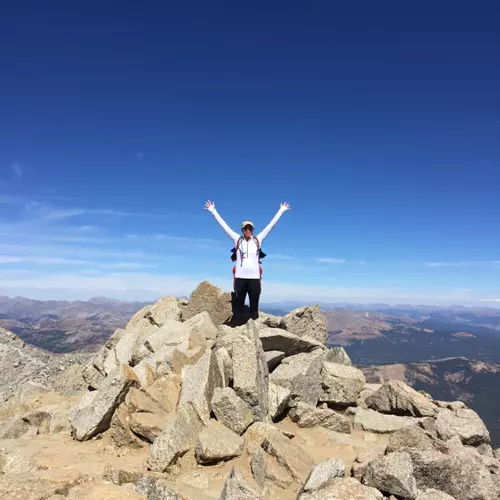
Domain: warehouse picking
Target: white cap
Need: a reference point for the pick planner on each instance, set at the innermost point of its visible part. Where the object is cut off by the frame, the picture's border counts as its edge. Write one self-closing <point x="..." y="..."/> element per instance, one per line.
<point x="247" y="223"/>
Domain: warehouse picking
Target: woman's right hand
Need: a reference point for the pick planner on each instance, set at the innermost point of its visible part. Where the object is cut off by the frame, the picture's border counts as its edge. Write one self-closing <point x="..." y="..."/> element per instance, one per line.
<point x="210" y="206"/>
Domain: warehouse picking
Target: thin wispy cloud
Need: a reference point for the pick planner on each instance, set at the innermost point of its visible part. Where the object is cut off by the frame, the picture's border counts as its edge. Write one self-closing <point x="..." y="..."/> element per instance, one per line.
<point x="330" y="260"/>
<point x="16" y="168"/>
<point x="463" y="263"/>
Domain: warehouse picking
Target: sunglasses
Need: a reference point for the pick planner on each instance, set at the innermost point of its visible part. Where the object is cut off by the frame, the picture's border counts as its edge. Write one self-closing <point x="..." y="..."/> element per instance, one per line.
<point x="248" y="228"/>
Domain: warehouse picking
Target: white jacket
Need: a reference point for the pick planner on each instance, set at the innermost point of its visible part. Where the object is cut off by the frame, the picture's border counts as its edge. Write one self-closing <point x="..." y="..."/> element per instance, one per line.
<point x="247" y="257"/>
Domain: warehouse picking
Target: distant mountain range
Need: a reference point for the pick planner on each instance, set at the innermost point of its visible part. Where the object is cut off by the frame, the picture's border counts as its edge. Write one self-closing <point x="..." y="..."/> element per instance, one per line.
<point x="64" y="326"/>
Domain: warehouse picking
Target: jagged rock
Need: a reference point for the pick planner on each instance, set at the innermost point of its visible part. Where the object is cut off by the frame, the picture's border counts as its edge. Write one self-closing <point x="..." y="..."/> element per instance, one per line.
<point x="139" y="401"/>
<point x="250" y="373"/>
<point x="138" y="316"/>
<point x="237" y="488"/>
<point x="167" y="308"/>
<point x="174" y="333"/>
<point x="496" y="453"/>
<point x="155" y="488"/>
<point x="307" y="321"/>
<point x="130" y="343"/>
<point x="217" y="443"/>
<point x="93" y="377"/>
<point x="292" y="457"/>
<point x="341" y="384"/>
<point x="273" y="359"/>
<point x="165" y="391"/>
<point x="343" y="489"/>
<point x="323" y="473"/>
<point x="209" y="298"/>
<point x="301" y="375"/>
<point x="270" y="320"/>
<point x="202" y="325"/>
<point x="231" y="410"/>
<point x="363" y="458"/>
<point x="144" y="373"/>
<point x="198" y="383"/>
<point x="460" y="475"/>
<point x="392" y="474"/>
<point x="275" y="339"/>
<point x="119" y="476"/>
<point x="101" y="491"/>
<point x="305" y="415"/>
<point x="38" y="485"/>
<point x="177" y="438"/>
<point x="225" y="365"/>
<point x="265" y="468"/>
<point x="413" y="437"/>
<point x="13" y="428"/>
<point x="397" y="398"/>
<point x="485" y="449"/>
<point x="380" y="423"/>
<point x="279" y="400"/>
<point x="120" y="432"/>
<point x="432" y="494"/>
<point x="337" y="355"/>
<point x="464" y="423"/>
<point x="257" y="433"/>
<point x="96" y="417"/>
<point x="147" y="425"/>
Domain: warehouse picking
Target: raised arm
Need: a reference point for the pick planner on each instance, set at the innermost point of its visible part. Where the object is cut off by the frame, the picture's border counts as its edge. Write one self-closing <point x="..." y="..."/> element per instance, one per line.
<point x="263" y="234"/>
<point x="210" y="206"/>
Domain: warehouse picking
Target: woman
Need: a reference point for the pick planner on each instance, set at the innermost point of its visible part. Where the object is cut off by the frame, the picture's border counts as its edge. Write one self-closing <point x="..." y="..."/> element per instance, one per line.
<point x="247" y="270"/>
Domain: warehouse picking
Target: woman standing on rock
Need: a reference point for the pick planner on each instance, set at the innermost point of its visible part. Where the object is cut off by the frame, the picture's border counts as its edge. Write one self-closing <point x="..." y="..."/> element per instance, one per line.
<point x="247" y="254"/>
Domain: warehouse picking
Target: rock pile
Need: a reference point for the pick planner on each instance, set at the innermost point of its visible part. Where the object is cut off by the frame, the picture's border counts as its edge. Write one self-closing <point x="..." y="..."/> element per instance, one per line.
<point x="261" y="411"/>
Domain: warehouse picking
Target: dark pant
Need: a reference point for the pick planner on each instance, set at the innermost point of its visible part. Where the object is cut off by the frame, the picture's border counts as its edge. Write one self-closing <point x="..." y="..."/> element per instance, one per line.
<point x="242" y="286"/>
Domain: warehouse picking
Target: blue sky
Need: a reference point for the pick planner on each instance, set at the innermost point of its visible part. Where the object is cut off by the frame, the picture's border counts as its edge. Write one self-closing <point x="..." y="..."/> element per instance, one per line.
<point x="379" y="122"/>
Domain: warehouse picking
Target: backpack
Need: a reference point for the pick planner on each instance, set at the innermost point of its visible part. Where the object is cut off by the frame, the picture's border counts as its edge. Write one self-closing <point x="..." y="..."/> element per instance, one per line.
<point x="235" y="251"/>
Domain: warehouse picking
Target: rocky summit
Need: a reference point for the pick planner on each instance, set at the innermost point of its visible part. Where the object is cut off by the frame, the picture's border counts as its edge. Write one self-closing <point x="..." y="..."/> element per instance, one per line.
<point x="179" y="405"/>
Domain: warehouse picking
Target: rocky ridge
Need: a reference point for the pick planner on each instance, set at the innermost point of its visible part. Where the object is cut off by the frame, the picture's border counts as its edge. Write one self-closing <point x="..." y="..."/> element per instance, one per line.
<point x="181" y="406"/>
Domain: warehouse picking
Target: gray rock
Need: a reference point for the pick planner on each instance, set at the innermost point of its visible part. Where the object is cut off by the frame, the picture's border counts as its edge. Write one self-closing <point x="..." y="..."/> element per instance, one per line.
<point x="464" y="423"/>
<point x="120" y="476"/>
<point x="485" y="449"/>
<point x="257" y="433"/>
<point x="155" y="488"/>
<point x="342" y="384"/>
<point x="270" y="320"/>
<point x="138" y="316"/>
<point x="301" y="375"/>
<point x="275" y="339"/>
<point x="363" y="458"/>
<point x="273" y="359"/>
<point x="231" y="410"/>
<point x="225" y="365"/>
<point x="120" y="433"/>
<point x="178" y="436"/>
<point x="305" y="415"/>
<point x="432" y="494"/>
<point x="147" y="425"/>
<point x="323" y="473"/>
<point x="93" y="377"/>
<point x="237" y="488"/>
<point x="414" y="437"/>
<point x="250" y="373"/>
<point x="13" y="428"/>
<point x="337" y="355"/>
<point x="292" y="457"/>
<point x="202" y="324"/>
<point x="307" y="321"/>
<point x="132" y="340"/>
<point x="217" y="443"/>
<point x="343" y="489"/>
<point x="209" y="298"/>
<point x="96" y="416"/>
<point x="460" y="475"/>
<point x="380" y="423"/>
<point x="392" y="474"/>
<point x="265" y="469"/>
<point x="167" y="308"/>
<point x="397" y="398"/>
<point x="198" y="383"/>
<point x="496" y="453"/>
<point x="172" y="333"/>
<point x="279" y="401"/>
